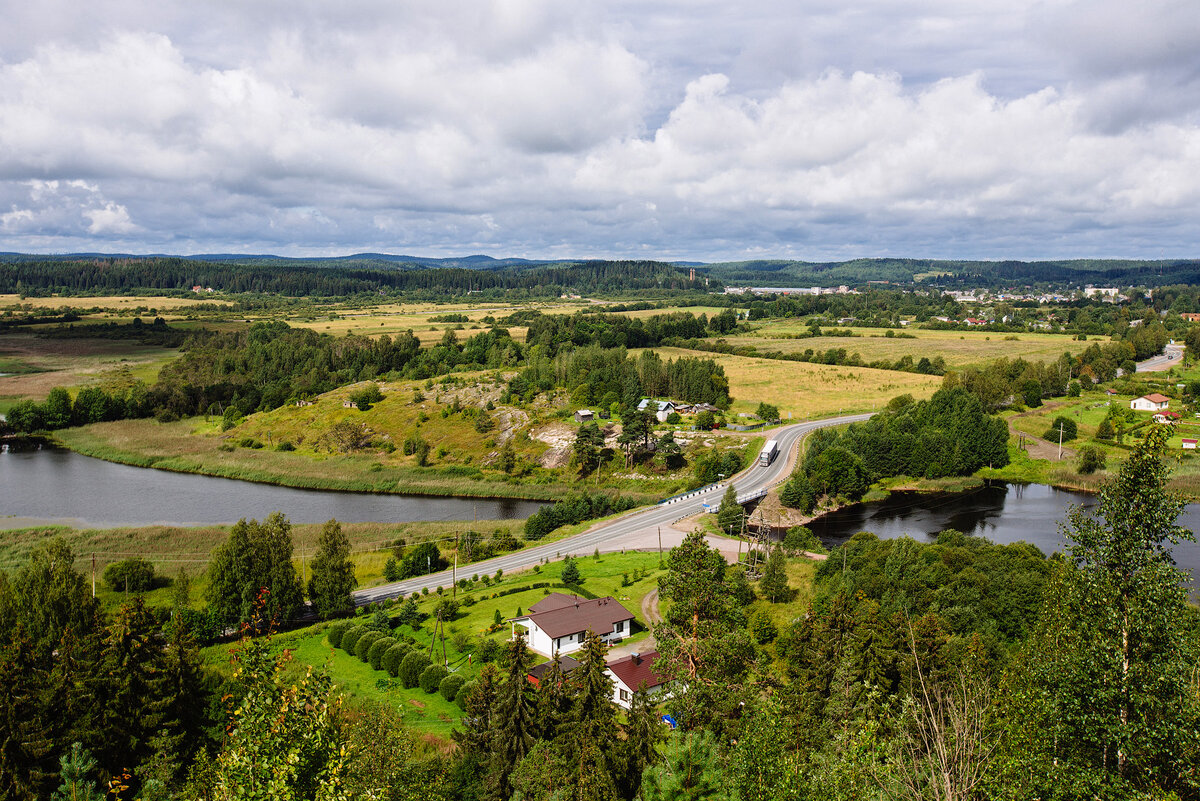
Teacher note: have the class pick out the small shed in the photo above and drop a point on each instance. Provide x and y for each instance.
(584, 416)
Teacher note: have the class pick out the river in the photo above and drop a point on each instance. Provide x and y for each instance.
(42, 484)
(1003, 513)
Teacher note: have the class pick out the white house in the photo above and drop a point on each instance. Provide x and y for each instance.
(629, 674)
(559, 623)
(1153, 402)
(656, 405)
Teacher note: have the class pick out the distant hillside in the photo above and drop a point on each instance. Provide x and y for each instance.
(338, 278)
(952, 274)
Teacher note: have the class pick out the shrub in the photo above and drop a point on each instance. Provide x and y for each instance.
(451, 685)
(377, 650)
(135, 575)
(350, 638)
(488, 651)
(1090, 460)
(335, 632)
(763, 629)
(363, 646)
(432, 677)
(464, 694)
(1070, 429)
(394, 656)
(801, 538)
(411, 668)
(1105, 429)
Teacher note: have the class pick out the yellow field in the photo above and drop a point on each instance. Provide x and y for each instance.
(392, 319)
(113, 303)
(958, 348)
(810, 390)
(696, 310)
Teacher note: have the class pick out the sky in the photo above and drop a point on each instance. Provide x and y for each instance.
(697, 130)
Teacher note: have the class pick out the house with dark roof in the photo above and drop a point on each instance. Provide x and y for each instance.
(538, 672)
(632, 674)
(559, 623)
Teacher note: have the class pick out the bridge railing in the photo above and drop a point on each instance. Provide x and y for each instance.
(688, 495)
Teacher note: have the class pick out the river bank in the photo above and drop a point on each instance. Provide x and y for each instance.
(173, 447)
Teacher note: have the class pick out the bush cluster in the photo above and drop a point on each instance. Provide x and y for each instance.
(335, 632)
(411, 668)
(431, 678)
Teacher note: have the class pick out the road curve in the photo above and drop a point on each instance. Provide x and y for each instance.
(663, 514)
(1171, 356)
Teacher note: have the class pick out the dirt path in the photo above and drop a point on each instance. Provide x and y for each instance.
(650, 611)
(1036, 447)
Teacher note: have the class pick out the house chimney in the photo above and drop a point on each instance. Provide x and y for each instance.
(637, 658)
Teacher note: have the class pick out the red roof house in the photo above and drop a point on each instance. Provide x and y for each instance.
(631, 674)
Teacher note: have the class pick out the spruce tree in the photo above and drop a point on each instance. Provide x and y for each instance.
(639, 750)
(570, 572)
(513, 723)
(774, 582)
(332, 573)
(730, 514)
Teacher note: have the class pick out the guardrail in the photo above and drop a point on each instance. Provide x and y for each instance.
(753, 496)
(687, 495)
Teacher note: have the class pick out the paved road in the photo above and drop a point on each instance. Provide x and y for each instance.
(645, 518)
(1171, 356)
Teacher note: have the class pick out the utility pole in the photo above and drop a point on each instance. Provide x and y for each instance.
(1060, 436)
(93, 575)
(454, 570)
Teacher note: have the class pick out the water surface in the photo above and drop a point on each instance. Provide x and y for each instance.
(41, 484)
(1004, 513)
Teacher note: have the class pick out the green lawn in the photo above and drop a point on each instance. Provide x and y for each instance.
(431, 713)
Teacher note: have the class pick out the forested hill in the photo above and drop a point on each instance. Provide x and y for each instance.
(98, 275)
(1098, 272)
(376, 273)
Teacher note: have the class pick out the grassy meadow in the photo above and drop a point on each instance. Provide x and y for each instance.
(958, 348)
(39, 365)
(810, 390)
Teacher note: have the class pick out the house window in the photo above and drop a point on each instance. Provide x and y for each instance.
(624, 695)
(620, 627)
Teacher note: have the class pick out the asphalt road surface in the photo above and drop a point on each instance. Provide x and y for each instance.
(664, 514)
(1171, 356)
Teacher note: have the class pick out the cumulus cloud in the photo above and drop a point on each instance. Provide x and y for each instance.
(689, 130)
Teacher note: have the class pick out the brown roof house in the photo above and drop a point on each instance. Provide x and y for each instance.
(632, 674)
(1154, 402)
(558, 623)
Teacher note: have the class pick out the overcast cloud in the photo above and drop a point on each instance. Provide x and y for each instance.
(675, 130)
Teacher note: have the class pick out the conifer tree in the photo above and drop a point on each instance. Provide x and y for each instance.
(332, 573)
(730, 514)
(774, 582)
(512, 718)
(77, 784)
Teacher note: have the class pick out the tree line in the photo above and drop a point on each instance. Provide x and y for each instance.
(30, 275)
(951, 434)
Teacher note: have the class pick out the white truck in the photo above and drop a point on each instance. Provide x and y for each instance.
(769, 452)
